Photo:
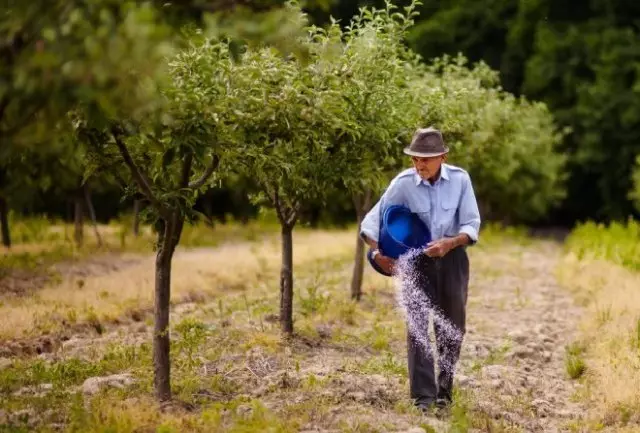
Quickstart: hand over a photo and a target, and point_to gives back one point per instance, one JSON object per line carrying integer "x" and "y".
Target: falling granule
{"x": 418, "y": 308}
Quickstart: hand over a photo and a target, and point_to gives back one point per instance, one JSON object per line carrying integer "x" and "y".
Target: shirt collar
{"x": 444, "y": 174}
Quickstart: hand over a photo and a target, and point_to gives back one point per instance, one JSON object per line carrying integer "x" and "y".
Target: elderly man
{"x": 442, "y": 196}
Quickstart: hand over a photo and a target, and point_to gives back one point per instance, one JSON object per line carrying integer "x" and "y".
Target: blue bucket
{"x": 400, "y": 231}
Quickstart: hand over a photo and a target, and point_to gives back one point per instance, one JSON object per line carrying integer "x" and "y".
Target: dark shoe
{"x": 443, "y": 403}
{"x": 426, "y": 405}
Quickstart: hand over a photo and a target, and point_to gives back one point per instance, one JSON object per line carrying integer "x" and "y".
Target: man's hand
{"x": 386, "y": 263}
{"x": 440, "y": 247}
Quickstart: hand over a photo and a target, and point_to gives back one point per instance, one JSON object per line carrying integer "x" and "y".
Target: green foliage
{"x": 73, "y": 371}
{"x": 616, "y": 242}
{"x": 288, "y": 110}
{"x": 508, "y": 144}
{"x": 582, "y": 62}
{"x": 461, "y": 420}
{"x": 574, "y": 361}
{"x": 635, "y": 192}
{"x": 386, "y": 364}
{"x": 314, "y": 302}
{"x": 191, "y": 335}
{"x": 374, "y": 69}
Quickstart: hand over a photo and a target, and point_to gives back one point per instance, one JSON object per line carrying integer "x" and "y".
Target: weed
{"x": 574, "y": 362}
{"x": 378, "y": 337}
{"x": 603, "y": 315}
{"x": 354, "y": 425}
{"x": 314, "y": 302}
{"x": 347, "y": 312}
{"x": 191, "y": 335}
{"x": 93, "y": 320}
{"x": 72, "y": 316}
{"x": 270, "y": 342}
{"x": 635, "y": 336}
{"x": 459, "y": 420}
{"x": 387, "y": 365}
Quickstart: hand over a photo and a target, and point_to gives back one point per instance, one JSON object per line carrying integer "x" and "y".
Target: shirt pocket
{"x": 449, "y": 201}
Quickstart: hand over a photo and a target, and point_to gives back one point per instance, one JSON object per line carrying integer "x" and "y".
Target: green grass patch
{"x": 574, "y": 360}
{"x": 492, "y": 233}
{"x": 387, "y": 364}
{"x": 73, "y": 371}
{"x": 616, "y": 242}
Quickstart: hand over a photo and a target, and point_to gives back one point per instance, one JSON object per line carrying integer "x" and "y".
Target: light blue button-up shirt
{"x": 448, "y": 207}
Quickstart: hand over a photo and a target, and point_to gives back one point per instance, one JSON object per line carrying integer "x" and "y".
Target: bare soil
{"x": 511, "y": 376}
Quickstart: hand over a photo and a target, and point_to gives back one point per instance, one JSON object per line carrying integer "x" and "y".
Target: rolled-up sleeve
{"x": 469, "y": 213}
{"x": 370, "y": 226}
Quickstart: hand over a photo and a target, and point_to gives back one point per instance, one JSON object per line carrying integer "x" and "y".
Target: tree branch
{"x": 293, "y": 214}
{"x": 207, "y": 174}
{"x": 139, "y": 177}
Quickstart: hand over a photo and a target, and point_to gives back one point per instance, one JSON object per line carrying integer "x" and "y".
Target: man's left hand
{"x": 439, "y": 247}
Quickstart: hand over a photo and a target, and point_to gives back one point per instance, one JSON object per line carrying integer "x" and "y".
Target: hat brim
{"x": 410, "y": 152}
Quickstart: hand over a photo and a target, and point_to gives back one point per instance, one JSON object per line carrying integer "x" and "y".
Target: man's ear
{"x": 444, "y": 157}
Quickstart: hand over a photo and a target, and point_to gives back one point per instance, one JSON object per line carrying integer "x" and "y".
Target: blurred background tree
{"x": 581, "y": 59}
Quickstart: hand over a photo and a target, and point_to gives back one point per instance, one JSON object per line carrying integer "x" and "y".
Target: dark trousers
{"x": 445, "y": 283}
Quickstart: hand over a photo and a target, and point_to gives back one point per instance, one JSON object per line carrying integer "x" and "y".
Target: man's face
{"x": 428, "y": 167}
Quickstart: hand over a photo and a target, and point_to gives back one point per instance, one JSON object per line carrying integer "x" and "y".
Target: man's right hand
{"x": 387, "y": 264}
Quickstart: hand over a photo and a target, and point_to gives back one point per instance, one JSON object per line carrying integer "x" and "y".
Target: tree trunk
{"x": 4, "y": 222}
{"x": 362, "y": 205}
{"x": 358, "y": 265}
{"x": 208, "y": 211}
{"x": 168, "y": 238}
{"x": 136, "y": 218}
{"x": 286, "y": 280}
{"x": 92, "y": 213}
{"x": 78, "y": 220}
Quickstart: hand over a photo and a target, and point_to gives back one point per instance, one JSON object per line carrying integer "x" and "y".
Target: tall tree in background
{"x": 508, "y": 144}
{"x": 581, "y": 61}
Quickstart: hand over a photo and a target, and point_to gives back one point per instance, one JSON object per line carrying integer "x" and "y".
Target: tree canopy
{"x": 581, "y": 61}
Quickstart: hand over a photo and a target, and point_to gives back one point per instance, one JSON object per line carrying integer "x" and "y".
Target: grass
{"x": 600, "y": 268}
{"x": 39, "y": 241}
{"x": 616, "y": 242}
{"x": 231, "y": 370}
{"x": 203, "y": 274}
{"x": 574, "y": 361}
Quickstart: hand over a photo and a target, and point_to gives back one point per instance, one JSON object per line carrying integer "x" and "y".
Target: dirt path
{"x": 520, "y": 321}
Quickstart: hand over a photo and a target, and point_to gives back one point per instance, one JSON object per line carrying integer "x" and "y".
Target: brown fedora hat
{"x": 426, "y": 142}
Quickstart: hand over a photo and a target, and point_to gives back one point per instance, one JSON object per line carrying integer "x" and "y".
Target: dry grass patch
{"x": 344, "y": 370}
{"x": 611, "y": 328}
{"x": 203, "y": 272}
